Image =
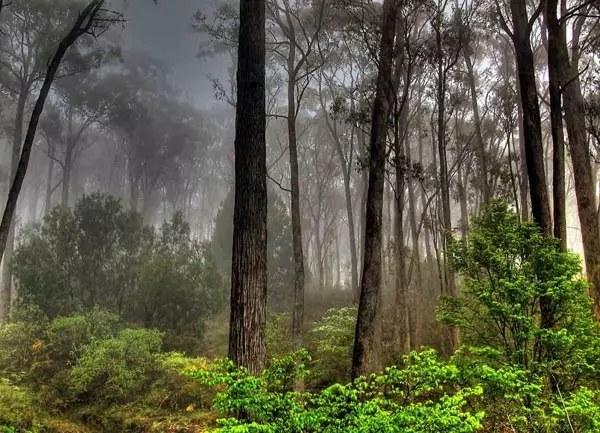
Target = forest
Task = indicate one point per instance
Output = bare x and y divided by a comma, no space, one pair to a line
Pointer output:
383,217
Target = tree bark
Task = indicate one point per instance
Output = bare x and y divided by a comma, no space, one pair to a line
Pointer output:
247,345
366,356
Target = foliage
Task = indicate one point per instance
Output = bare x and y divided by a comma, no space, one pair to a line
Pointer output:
15,406
508,266
332,340
117,369
399,400
100,255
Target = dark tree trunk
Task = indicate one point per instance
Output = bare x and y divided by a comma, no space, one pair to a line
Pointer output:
556,121
534,151
574,106
365,358
249,254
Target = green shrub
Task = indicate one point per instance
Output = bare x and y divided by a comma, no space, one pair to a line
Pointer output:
419,398
332,339
176,391
508,266
116,369
21,343
16,408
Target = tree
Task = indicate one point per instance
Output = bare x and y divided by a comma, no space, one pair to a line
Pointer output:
93,20
565,73
532,127
98,255
534,152
247,345
556,120
365,357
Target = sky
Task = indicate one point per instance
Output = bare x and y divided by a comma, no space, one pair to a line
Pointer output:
165,31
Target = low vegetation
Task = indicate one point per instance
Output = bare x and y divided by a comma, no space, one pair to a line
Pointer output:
96,371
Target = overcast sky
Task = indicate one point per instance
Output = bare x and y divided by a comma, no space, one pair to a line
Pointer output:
165,31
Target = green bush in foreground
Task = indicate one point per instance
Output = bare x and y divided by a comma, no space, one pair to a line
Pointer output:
418,398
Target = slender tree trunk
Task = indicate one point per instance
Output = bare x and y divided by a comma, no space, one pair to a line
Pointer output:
402,337
523,187
446,235
556,121
363,205
346,174
67,164
479,146
298,311
249,265
366,356
66,183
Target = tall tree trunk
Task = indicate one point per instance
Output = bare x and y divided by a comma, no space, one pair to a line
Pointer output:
366,356
67,163
363,204
298,310
446,235
574,106
532,128
523,186
402,337
534,151
346,174
556,122
249,254
479,145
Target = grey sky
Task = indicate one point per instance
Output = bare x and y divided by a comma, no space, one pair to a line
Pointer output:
164,31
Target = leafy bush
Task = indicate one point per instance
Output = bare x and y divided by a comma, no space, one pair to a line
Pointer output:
419,398
177,391
331,344
116,369
15,407
100,255
508,267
